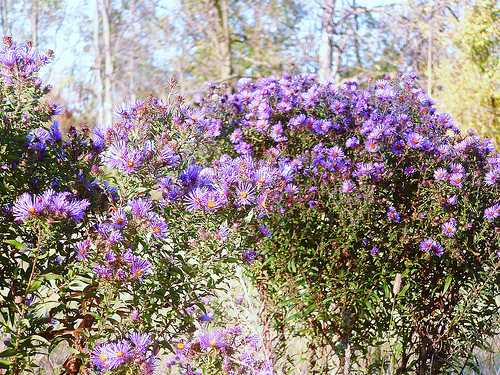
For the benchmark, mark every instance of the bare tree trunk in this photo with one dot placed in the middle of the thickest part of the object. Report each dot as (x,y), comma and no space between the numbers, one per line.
(108,62)
(34,22)
(5,22)
(98,66)
(325,53)
(132,56)
(226,69)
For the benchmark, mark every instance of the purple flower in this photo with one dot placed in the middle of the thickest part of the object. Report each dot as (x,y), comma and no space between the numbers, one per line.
(276,133)
(438,249)
(347,186)
(26,206)
(491,177)
(213,339)
(141,341)
(415,140)
(117,353)
(457,168)
(236,136)
(292,189)
(440,174)
(196,199)
(491,212)
(119,218)
(76,209)
(82,248)
(351,142)
(243,148)
(249,255)
(265,230)
(456,179)
(159,227)
(140,207)
(374,251)
(99,356)
(140,267)
(449,228)
(371,146)
(393,215)
(427,244)
(397,147)
(452,200)
(115,156)
(131,161)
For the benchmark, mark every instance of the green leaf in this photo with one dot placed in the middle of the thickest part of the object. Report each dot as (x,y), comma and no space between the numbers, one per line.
(447,284)
(17,244)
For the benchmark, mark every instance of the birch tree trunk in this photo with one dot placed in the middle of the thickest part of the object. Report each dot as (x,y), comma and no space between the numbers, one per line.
(108,62)
(325,54)
(5,22)
(98,65)
(34,22)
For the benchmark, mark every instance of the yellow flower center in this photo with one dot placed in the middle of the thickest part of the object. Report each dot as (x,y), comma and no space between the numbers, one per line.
(139,272)
(130,163)
(32,210)
(156,229)
(213,343)
(243,194)
(120,354)
(103,357)
(180,346)
(211,204)
(119,221)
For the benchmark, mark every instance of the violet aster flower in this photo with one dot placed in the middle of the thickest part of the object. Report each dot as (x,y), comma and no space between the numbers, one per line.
(118,353)
(76,209)
(292,189)
(159,227)
(456,179)
(213,339)
(140,267)
(393,215)
(82,248)
(245,195)
(99,356)
(491,178)
(26,206)
(371,146)
(141,341)
(449,228)
(438,249)
(427,244)
(119,218)
(397,147)
(115,155)
(140,207)
(491,213)
(236,136)
(249,255)
(347,186)
(131,161)
(415,140)
(213,201)
(196,199)
(440,174)
(352,142)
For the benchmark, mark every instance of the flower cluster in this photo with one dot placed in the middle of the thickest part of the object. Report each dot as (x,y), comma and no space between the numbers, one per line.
(130,355)
(228,349)
(49,206)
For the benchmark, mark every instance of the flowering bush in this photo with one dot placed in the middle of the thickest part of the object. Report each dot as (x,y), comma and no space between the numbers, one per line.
(387,225)
(361,213)
(105,234)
